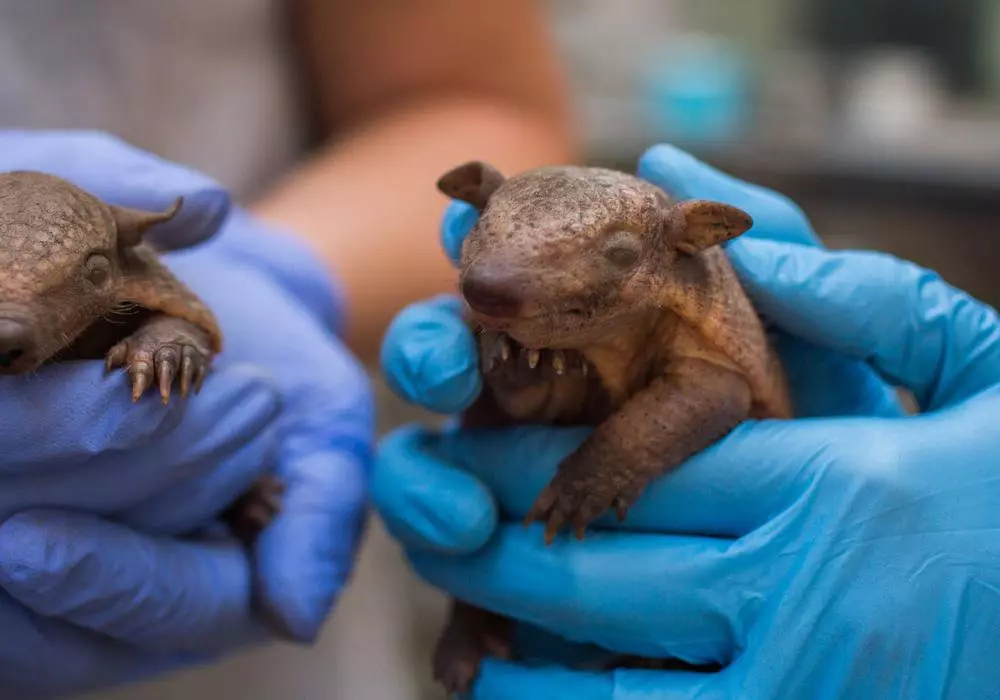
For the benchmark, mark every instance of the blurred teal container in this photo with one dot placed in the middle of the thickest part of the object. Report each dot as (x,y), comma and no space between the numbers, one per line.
(696,89)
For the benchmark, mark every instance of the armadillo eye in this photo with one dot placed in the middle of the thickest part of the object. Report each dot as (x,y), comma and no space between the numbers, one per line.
(623,249)
(622,256)
(97,269)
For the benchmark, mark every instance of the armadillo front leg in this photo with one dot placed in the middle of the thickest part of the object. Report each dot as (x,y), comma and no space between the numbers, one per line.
(692,406)
(177,341)
(163,349)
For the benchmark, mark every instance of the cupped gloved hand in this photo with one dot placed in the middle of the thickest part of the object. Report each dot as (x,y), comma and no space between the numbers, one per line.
(110,566)
(849,554)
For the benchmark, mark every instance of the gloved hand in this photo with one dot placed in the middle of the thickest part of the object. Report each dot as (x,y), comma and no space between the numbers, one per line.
(109,570)
(849,554)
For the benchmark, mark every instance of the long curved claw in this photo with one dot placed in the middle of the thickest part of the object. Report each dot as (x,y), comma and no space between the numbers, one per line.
(142,377)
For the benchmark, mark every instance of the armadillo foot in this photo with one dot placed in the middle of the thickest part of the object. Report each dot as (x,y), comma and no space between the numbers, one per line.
(164,350)
(580,493)
(253,511)
(470,636)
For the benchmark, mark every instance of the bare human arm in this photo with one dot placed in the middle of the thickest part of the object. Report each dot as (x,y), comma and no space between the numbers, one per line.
(405,89)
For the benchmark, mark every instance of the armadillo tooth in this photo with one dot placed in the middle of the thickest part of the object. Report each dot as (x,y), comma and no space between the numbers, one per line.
(533,357)
(583,368)
(558,361)
(504,348)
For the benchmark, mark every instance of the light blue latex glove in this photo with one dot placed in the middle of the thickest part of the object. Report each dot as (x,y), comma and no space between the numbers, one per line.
(101,580)
(850,554)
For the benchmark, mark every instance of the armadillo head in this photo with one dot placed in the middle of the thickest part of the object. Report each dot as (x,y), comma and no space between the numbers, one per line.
(60,263)
(561,256)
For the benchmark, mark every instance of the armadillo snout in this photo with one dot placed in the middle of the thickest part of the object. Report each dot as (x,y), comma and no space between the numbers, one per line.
(17,345)
(493,291)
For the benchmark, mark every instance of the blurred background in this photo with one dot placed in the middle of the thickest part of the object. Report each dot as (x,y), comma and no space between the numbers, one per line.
(882,119)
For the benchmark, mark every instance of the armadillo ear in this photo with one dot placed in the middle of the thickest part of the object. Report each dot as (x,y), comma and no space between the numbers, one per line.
(473,182)
(133,223)
(697,224)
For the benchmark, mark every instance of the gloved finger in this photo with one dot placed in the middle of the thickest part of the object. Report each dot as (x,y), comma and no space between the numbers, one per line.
(84,660)
(425,502)
(688,581)
(304,557)
(194,504)
(176,453)
(683,176)
(67,414)
(459,218)
(502,680)
(914,328)
(158,594)
(429,356)
(534,645)
(124,175)
(728,490)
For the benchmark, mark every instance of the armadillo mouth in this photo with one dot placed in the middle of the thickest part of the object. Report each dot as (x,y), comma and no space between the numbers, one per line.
(16,363)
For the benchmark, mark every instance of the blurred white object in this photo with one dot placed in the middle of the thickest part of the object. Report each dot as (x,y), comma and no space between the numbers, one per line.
(893,95)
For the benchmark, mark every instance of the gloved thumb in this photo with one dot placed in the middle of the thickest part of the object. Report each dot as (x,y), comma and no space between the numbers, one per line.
(459,218)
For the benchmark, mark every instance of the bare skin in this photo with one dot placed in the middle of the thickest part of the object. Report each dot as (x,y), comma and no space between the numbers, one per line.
(402,91)
(599,301)
(79,283)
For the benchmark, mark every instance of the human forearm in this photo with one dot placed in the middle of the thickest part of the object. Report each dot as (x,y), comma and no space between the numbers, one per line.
(367,201)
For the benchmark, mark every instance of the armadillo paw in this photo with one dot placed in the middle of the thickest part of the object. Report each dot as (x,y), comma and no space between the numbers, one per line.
(460,653)
(161,353)
(253,511)
(579,494)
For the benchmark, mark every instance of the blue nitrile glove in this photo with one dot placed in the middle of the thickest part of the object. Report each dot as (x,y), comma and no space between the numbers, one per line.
(819,557)
(100,580)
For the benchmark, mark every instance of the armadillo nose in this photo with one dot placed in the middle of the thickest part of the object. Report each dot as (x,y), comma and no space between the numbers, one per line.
(16,342)
(492,291)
